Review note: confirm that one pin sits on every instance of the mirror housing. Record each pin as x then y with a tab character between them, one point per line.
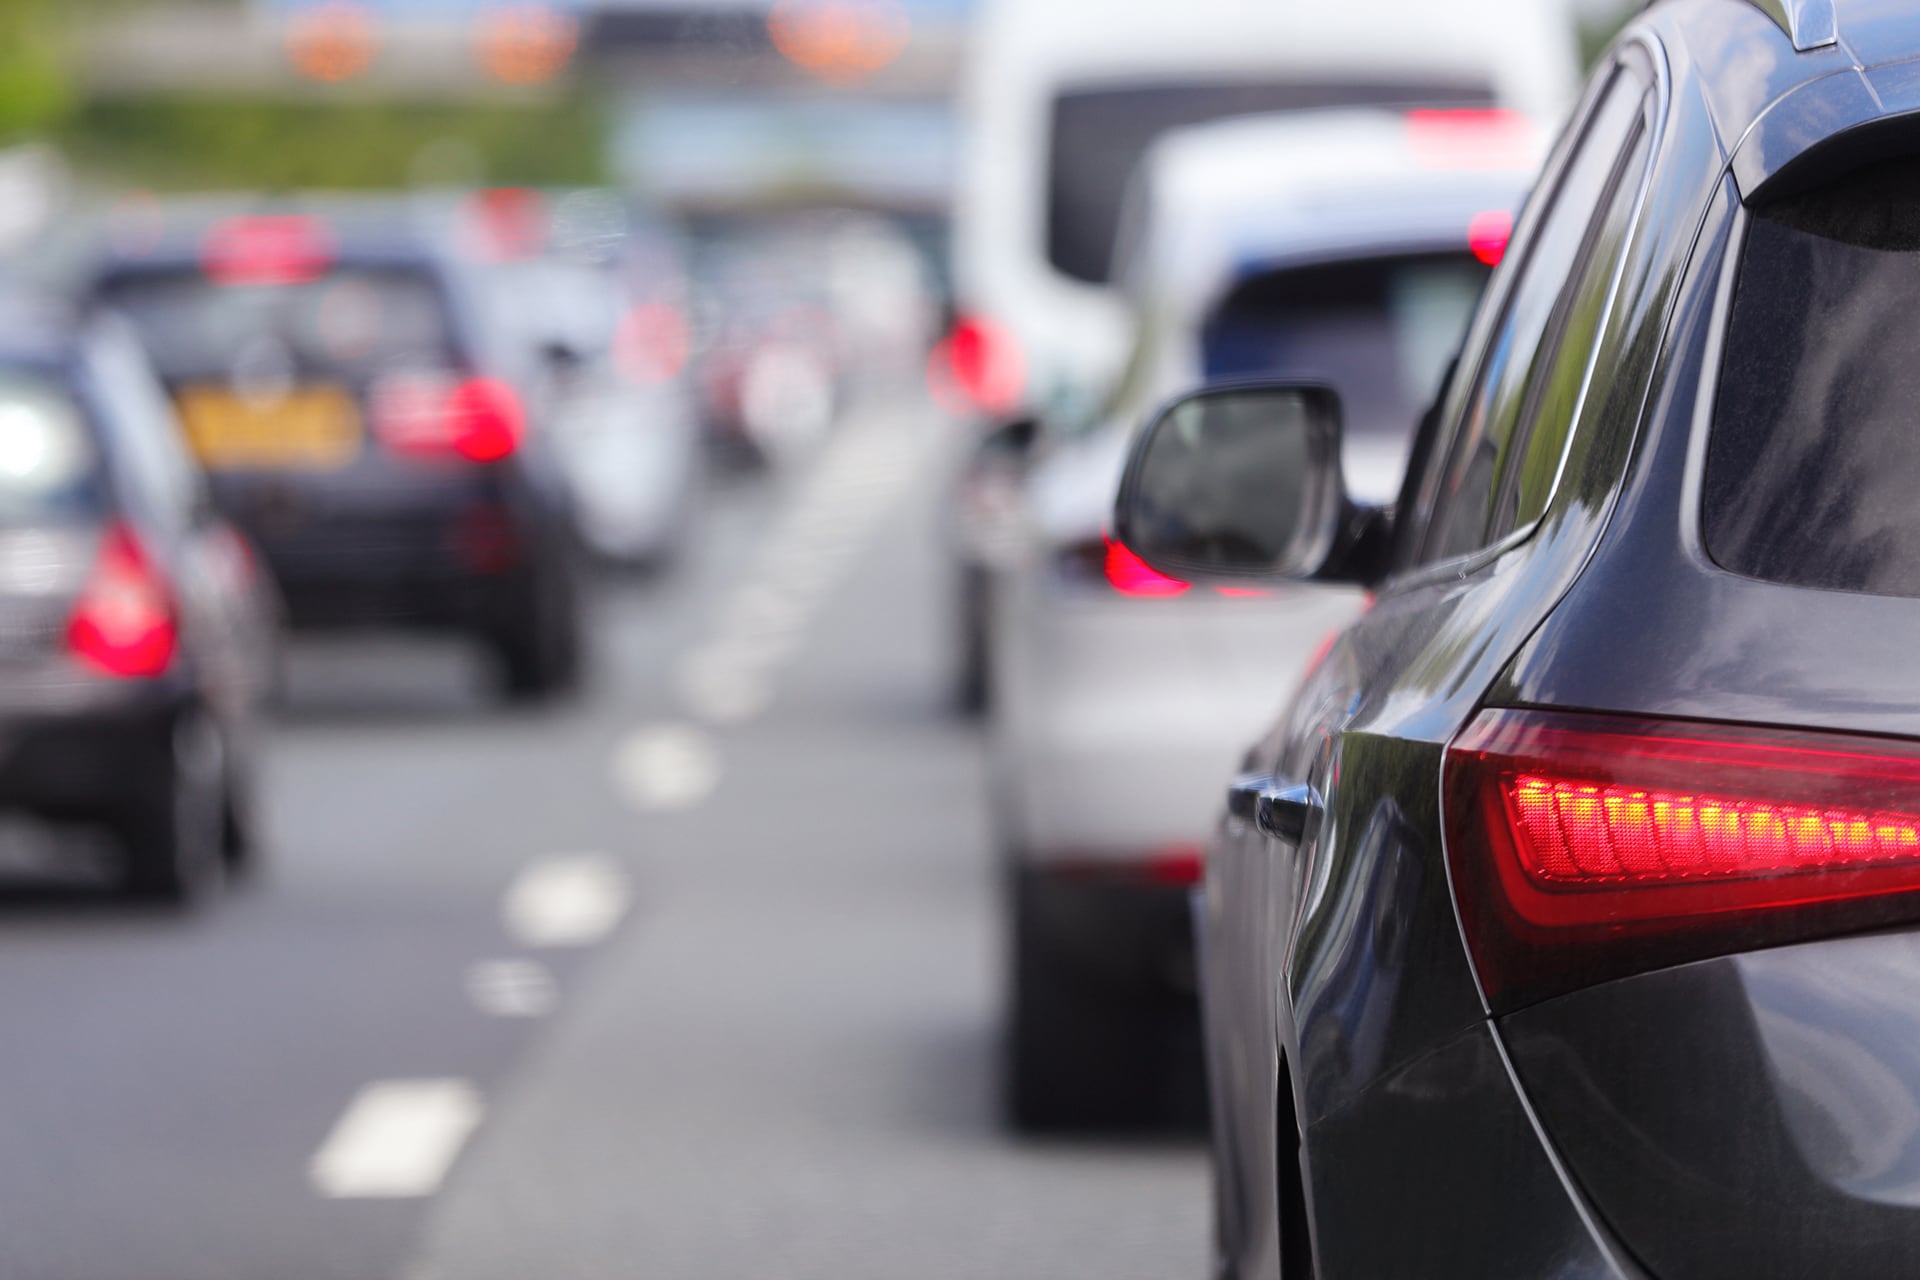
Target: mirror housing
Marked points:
1243	482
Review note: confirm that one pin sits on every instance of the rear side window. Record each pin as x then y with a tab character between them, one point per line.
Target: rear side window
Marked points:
1379	331
49	469
1813	465
1097	137
1531	373
349	322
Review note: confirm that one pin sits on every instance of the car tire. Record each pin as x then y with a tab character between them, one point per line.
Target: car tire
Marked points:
240	827
1084	1053
540	646
172	839
972	685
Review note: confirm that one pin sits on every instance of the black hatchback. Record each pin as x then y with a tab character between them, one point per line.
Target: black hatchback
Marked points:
136	631
362	420
1568	921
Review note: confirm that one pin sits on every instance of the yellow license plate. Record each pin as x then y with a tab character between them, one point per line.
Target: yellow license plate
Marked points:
307	429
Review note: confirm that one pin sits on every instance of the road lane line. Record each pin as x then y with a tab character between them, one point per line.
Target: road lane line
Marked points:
516	988
396	1140
571	900
665	767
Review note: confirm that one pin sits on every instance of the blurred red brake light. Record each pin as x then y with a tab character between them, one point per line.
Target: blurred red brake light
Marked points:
485	419
124	623
428	416
978	367
1587	846
1488	235
1472	138
266	249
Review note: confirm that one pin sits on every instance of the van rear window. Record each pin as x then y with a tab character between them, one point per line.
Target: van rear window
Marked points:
1814	460
1099	135
1379	331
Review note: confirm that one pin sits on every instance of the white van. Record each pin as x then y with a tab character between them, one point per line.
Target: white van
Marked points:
1061	98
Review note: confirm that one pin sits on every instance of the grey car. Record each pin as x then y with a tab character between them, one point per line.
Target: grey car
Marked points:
1568	923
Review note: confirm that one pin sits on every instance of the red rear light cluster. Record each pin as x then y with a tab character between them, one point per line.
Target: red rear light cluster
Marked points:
977	368
1472	138
124	623
268	249
428	416
1488	235
1584	847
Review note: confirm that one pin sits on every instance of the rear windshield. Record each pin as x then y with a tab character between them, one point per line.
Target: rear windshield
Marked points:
1099	135
350	322
49	471
1814	462
1379	332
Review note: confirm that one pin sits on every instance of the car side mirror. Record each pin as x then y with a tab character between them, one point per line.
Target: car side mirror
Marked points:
1242	482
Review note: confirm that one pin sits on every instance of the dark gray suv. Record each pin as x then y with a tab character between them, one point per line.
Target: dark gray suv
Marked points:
1568	922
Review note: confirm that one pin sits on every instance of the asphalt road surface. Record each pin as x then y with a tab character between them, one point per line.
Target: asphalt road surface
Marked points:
694	977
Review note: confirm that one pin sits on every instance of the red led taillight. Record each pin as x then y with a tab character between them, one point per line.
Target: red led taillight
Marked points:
425	415
1584	847
124	622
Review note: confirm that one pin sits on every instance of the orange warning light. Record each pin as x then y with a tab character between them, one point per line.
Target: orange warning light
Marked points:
525	43
840	41
333	41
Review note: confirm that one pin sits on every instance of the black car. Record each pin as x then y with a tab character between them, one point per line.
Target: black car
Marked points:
135	630
1568	921
364	422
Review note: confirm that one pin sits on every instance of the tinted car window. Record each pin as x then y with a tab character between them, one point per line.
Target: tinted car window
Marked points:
1522	347
1814	460
49	469
349	322
1099	135
1546	421
1379	332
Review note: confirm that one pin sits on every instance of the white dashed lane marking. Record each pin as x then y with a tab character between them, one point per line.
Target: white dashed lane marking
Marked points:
666	767
512	988
396	1140
570	900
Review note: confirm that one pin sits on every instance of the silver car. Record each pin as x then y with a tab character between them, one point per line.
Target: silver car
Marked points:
1347	247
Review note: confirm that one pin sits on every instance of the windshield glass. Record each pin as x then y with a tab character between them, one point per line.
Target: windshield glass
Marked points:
1814	461
49	471
1379	332
350	322
1099	135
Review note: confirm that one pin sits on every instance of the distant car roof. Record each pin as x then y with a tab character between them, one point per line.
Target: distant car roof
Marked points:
168	234
37	331
1216	202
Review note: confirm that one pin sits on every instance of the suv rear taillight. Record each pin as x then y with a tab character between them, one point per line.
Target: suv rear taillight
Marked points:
426	415
124	623
1586	847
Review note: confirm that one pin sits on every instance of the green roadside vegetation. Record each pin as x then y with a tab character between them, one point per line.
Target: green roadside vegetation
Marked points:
1596	36
171	143
305	139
